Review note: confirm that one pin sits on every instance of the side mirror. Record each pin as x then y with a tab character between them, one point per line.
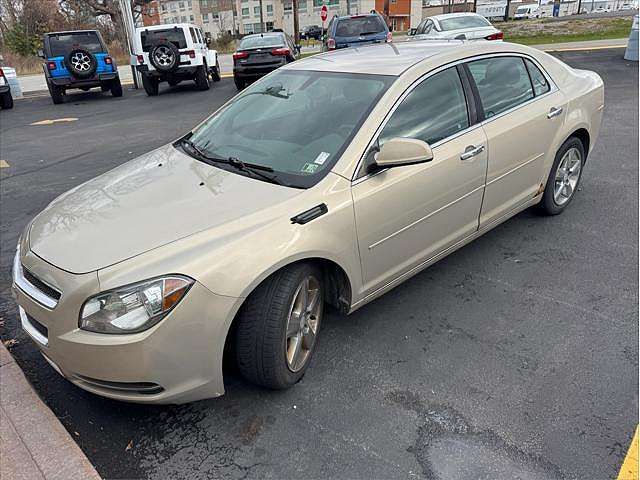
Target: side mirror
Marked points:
403	151
208	41
412	32
40	53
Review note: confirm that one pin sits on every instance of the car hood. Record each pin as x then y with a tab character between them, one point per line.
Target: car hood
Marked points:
148	202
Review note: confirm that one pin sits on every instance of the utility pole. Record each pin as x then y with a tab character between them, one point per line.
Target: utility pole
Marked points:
261	18
296	23
506	12
130	30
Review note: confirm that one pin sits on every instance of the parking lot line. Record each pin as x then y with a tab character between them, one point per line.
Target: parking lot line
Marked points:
54	120
578	49
4	164
629	469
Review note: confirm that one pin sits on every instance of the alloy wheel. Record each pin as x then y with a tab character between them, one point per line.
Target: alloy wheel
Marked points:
81	62
303	323
567	176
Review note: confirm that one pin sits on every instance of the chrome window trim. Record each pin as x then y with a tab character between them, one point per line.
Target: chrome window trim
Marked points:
28	288
30	329
553	88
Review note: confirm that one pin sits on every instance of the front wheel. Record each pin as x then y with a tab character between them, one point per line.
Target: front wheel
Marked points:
564	177
278	327
215	73
56	92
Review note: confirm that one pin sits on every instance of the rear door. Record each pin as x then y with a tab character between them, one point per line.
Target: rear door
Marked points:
521	120
408	215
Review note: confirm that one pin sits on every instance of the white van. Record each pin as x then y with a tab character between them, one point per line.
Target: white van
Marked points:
527	11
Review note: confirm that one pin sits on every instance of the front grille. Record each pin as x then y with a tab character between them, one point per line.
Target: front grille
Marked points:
40	285
142	388
44	331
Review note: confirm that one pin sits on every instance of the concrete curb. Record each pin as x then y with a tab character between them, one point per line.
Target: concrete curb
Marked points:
33	442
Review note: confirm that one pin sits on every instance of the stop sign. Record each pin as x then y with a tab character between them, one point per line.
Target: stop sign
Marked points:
323	13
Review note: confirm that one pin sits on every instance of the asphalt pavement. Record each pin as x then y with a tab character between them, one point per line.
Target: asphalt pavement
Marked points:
515	357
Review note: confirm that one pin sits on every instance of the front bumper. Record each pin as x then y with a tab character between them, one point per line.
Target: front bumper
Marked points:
95	81
178	360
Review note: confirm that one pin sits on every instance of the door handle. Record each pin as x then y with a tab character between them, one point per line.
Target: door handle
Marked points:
471	151
554	112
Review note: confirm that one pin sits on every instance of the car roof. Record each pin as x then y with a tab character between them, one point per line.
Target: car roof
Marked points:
444	16
265	34
67	32
166	26
359	15
395	58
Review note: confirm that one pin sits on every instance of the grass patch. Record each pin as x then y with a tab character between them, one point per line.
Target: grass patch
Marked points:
533	32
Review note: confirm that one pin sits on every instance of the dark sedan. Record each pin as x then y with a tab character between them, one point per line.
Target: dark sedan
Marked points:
261	53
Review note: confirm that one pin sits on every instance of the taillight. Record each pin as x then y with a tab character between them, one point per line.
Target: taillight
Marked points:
238	55
331	44
51	65
191	53
108	60
495	36
280	51
389	37
1	73
140	59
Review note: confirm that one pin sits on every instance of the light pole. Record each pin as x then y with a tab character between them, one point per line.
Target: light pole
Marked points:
129	31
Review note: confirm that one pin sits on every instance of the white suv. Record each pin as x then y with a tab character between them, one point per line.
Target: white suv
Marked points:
173	53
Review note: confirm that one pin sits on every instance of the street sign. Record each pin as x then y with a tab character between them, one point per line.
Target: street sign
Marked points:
323	13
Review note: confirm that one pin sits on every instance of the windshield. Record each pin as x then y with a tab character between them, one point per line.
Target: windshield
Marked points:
354	27
297	123
457	23
63	43
260	41
171	35
522	10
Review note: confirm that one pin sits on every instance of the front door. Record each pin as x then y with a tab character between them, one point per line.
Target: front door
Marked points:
406	215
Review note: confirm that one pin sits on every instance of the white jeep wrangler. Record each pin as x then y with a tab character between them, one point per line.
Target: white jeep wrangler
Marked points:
173	53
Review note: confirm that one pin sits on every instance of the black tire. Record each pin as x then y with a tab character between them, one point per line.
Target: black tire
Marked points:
215	73
116	88
6	100
151	85
261	339
239	83
202	78
56	92
549	205
165	57
81	63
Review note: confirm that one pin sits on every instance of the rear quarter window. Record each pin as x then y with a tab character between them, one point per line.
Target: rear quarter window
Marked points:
539	81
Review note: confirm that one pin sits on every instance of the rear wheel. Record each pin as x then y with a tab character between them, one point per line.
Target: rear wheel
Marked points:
564	178
151	85
202	78
215	73
239	83
278	327
116	88
56	92
6	101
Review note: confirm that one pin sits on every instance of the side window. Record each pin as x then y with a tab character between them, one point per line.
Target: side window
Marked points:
503	83
193	35
540	83
428	26
434	110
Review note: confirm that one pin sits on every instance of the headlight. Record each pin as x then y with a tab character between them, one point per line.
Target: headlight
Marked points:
133	308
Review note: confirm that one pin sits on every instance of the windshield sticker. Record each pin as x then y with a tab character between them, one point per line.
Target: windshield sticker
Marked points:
321	158
309	168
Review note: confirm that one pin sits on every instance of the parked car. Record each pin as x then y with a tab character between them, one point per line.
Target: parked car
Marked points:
261	53
78	59
6	100
174	53
326	184
459	26
526	11
311	31
356	30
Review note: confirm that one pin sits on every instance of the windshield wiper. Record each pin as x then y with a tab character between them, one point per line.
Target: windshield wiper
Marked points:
274	91
238	164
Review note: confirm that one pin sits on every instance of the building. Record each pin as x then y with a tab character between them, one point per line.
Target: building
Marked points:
150	13
403	14
215	17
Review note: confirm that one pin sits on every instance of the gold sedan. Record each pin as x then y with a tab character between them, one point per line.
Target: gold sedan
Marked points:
325	184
